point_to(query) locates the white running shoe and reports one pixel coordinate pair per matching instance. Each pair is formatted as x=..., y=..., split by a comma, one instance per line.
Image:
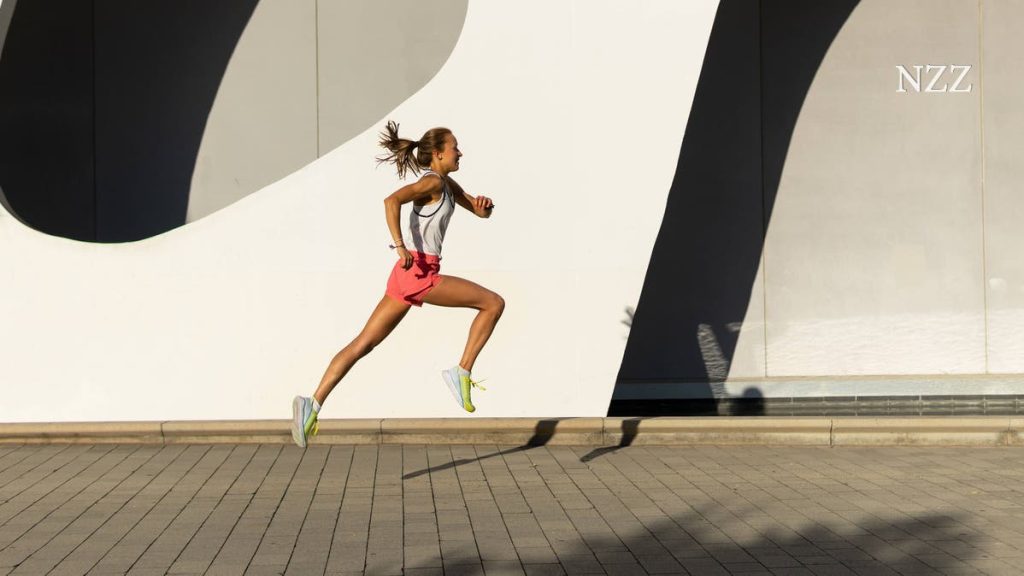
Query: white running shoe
x=461, y=386
x=451, y=378
x=304, y=420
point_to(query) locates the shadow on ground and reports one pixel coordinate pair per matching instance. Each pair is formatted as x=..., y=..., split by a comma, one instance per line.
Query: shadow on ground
x=689, y=541
x=544, y=431
x=542, y=434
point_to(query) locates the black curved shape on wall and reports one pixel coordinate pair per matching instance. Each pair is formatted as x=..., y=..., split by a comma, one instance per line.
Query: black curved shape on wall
x=103, y=104
x=760, y=61
x=46, y=107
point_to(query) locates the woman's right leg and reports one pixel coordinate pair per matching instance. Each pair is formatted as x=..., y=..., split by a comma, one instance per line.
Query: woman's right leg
x=458, y=292
x=385, y=317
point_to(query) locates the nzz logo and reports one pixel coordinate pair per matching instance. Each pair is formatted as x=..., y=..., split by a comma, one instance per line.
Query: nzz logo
x=933, y=74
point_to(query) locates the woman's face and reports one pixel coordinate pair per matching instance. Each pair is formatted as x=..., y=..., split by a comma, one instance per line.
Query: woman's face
x=450, y=154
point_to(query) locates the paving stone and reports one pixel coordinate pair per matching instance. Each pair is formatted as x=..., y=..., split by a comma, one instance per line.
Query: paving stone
x=503, y=568
x=544, y=569
x=542, y=555
x=465, y=570
x=424, y=572
x=370, y=509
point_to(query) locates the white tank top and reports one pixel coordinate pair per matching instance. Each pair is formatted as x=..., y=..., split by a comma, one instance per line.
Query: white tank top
x=424, y=231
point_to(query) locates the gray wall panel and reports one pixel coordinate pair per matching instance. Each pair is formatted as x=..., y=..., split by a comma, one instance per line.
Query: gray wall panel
x=874, y=254
x=373, y=55
x=1004, y=182
x=262, y=124
x=6, y=12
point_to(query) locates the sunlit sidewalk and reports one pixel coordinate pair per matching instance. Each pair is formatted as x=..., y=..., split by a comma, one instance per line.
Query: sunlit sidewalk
x=392, y=509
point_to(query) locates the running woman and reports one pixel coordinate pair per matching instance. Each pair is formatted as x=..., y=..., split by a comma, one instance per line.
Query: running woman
x=416, y=277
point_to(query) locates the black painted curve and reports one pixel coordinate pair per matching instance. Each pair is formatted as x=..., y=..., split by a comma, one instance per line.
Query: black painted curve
x=103, y=104
x=759, y=65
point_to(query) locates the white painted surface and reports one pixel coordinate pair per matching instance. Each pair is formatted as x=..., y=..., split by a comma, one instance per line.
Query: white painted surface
x=230, y=316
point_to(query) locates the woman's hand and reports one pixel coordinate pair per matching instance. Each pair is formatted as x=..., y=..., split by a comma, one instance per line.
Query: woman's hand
x=482, y=205
x=404, y=257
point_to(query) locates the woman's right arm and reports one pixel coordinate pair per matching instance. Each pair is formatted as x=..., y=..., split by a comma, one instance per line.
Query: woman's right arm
x=423, y=188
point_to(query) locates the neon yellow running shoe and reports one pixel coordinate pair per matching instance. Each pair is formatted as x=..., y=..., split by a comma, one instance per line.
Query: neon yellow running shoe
x=304, y=420
x=461, y=385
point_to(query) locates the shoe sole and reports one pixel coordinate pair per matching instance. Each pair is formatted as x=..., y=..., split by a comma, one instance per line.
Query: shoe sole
x=456, y=390
x=453, y=387
x=296, y=430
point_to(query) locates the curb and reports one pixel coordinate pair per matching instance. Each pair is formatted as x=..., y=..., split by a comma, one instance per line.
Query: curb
x=659, y=431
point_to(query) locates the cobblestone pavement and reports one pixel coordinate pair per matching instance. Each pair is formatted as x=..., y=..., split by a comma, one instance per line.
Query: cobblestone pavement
x=271, y=509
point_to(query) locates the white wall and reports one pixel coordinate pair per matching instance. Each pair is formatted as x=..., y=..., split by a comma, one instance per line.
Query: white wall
x=231, y=315
x=889, y=264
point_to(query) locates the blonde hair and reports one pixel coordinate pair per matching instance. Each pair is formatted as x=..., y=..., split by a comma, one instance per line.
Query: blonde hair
x=401, y=150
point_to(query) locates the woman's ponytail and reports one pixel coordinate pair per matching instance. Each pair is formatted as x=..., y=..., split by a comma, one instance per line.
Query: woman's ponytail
x=408, y=154
x=401, y=150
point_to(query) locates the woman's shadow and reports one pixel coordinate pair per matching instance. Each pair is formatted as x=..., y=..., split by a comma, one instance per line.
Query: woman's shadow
x=543, y=432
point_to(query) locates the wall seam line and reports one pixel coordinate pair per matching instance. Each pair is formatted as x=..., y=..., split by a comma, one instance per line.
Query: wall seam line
x=316, y=70
x=95, y=180
x=981, y=125
x=764, y=212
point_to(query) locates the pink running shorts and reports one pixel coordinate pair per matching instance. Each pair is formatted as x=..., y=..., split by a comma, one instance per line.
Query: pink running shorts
x=410, y=286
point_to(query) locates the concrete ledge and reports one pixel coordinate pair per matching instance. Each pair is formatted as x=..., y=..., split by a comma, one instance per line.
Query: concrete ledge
x=354, y=431
x=795, y=430
x=226, y=431
x=666, y=431
x=81, y=433
x=517, y=431
x=923, y=430
x=1015, y=435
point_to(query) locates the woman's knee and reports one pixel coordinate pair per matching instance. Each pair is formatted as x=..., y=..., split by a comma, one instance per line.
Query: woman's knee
x=495, y=303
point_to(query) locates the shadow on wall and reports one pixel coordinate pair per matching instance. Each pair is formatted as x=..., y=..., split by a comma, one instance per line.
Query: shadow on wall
x=760, y=61
x=158, y=69
x=6, y=12
x=7, y=206
x=103, y=104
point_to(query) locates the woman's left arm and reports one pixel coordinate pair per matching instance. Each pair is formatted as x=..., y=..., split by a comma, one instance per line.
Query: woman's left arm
x=479, y=205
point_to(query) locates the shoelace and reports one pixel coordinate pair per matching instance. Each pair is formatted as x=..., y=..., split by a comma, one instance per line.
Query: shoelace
x=316, y=425
x=475, y=384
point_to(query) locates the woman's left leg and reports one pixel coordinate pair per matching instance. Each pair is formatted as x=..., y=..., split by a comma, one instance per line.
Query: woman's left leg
x=384, y=318
x=453, y=291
